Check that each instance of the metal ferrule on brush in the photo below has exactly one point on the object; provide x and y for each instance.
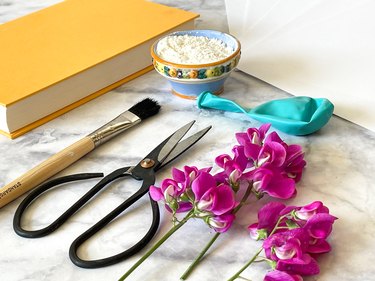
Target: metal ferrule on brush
(113, 128)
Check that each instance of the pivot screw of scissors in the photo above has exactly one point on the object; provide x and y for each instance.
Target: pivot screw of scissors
(147, 163)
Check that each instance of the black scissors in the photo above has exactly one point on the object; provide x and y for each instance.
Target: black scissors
(144, 171)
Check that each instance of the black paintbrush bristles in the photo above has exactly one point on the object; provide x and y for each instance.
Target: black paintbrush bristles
(145, 108)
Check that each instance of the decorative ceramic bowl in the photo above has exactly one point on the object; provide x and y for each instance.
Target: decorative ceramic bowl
(189, 80)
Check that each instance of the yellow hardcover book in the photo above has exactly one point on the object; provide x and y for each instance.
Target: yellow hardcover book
(53, 60)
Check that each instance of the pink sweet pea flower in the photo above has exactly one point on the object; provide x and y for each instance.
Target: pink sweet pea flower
(271, 182)
(175, 192)
(308, 211)
(168, 191)
(210, 198)
(239, 158)
(213, 203)
(232, 170)
(222, 160)
(217, 200)
(277, 275)
(253, 135)
(294, 160)
(187, 176)
(286, 245)
(268, 216)
(269, 163)
(252, 140)
(295, 236)
(314, 217)
(221, 223)
(289, 250)
(271, 154)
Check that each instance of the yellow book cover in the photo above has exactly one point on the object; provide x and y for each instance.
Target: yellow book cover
(62, 56)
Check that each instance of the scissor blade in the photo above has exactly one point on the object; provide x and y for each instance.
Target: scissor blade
(185, 145)
(173, 140)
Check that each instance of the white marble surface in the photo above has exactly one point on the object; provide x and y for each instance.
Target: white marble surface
(340, 172)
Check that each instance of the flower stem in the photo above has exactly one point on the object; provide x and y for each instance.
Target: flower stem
(253, 259)
(237, 274)
(276, 227)
(157, 245)
(244, 198)
(199, 257)
(192, 266)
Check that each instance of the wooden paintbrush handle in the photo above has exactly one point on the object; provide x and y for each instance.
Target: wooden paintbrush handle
(45, 170)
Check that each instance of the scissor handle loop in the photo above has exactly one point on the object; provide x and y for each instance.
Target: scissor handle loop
(33, 195)
(148, 179)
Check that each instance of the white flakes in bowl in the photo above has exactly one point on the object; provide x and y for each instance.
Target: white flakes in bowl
(188, 49)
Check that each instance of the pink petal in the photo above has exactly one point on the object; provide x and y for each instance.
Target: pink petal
(261, 177)
(252, 151)
(263, 130)
(320, 246)
(269, 214)
(298, 237)
(155, 193)
(287, 210)
(206, 170)
(178, 175)
(283, 188)
(277, 275)
(306, 212)
(305, 266)
(222, 159)
(288, 250)
(320, 225)
(221, 177)
(184, 207)
(273, 136)
(316, 205)
(254, 136)
(277, 151)
(171, 187)
(239, 157)
(242, 138)
(293, 151)
(223, 200)
(202, 184)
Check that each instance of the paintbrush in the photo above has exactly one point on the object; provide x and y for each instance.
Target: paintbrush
(140, 111)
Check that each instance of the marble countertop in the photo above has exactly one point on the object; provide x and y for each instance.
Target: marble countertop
(340, 172)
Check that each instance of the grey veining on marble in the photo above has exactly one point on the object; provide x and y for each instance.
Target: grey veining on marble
(340, 172)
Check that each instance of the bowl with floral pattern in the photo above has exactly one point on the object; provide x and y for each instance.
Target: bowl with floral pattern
(203, 70)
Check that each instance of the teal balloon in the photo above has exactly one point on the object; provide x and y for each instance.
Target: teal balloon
(296, 115)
